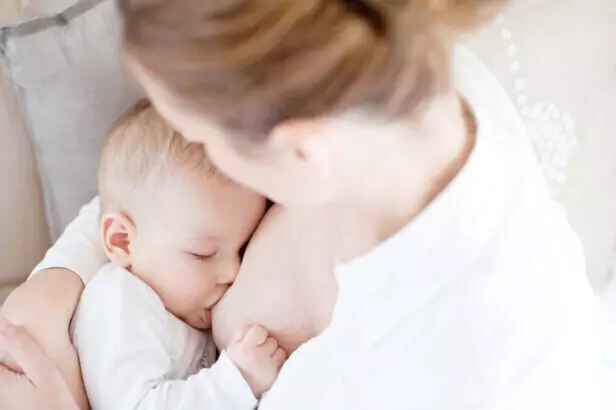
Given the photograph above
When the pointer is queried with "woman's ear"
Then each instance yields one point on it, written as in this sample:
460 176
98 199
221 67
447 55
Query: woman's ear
118 231
296 135
305 140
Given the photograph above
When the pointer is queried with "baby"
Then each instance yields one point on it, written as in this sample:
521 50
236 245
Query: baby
173 228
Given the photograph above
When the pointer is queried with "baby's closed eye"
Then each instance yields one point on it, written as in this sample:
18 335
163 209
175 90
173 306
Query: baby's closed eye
203 257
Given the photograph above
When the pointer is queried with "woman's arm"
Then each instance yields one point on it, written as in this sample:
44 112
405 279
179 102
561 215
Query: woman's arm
44 305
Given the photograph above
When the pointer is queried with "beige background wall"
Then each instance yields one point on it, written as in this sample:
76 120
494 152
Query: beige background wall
8 7
23 234
568 58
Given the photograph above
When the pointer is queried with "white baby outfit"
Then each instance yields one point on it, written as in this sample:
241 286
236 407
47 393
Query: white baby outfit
135 355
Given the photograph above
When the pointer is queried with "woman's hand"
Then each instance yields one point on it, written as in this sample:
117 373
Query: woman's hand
41 387
43 307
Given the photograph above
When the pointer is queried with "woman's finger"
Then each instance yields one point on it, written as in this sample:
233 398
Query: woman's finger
26 353
7 361
9 390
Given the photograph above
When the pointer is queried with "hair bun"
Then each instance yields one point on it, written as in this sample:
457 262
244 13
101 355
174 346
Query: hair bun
464 14
389 16
369 12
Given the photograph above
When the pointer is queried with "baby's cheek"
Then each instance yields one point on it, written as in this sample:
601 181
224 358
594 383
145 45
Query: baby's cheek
181 292
201 288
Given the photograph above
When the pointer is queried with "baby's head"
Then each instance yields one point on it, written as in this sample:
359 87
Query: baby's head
169 217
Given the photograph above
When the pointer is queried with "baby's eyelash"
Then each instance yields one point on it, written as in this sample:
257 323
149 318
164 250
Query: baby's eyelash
203 257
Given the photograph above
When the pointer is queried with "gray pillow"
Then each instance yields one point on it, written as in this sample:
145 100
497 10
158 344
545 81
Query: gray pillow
71 87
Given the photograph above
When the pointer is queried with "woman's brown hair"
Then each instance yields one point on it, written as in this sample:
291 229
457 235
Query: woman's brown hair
252 64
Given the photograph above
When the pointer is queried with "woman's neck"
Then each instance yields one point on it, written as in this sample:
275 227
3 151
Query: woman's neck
405 174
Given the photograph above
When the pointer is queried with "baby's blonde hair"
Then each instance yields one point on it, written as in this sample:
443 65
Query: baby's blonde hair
141 151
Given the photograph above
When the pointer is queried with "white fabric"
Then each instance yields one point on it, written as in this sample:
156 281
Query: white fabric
80 249
480 303
608 311
135 355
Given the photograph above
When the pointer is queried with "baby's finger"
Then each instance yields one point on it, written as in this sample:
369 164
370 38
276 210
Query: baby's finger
256 335
240 334
269 346
279 357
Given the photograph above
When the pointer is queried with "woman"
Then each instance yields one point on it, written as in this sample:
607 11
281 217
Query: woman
415 258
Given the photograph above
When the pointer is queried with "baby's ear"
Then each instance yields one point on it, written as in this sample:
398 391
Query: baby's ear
118 231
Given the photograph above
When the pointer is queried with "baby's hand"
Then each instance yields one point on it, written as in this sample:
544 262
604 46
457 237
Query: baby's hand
257 356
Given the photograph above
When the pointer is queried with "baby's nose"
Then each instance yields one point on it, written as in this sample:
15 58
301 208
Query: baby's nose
229 271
